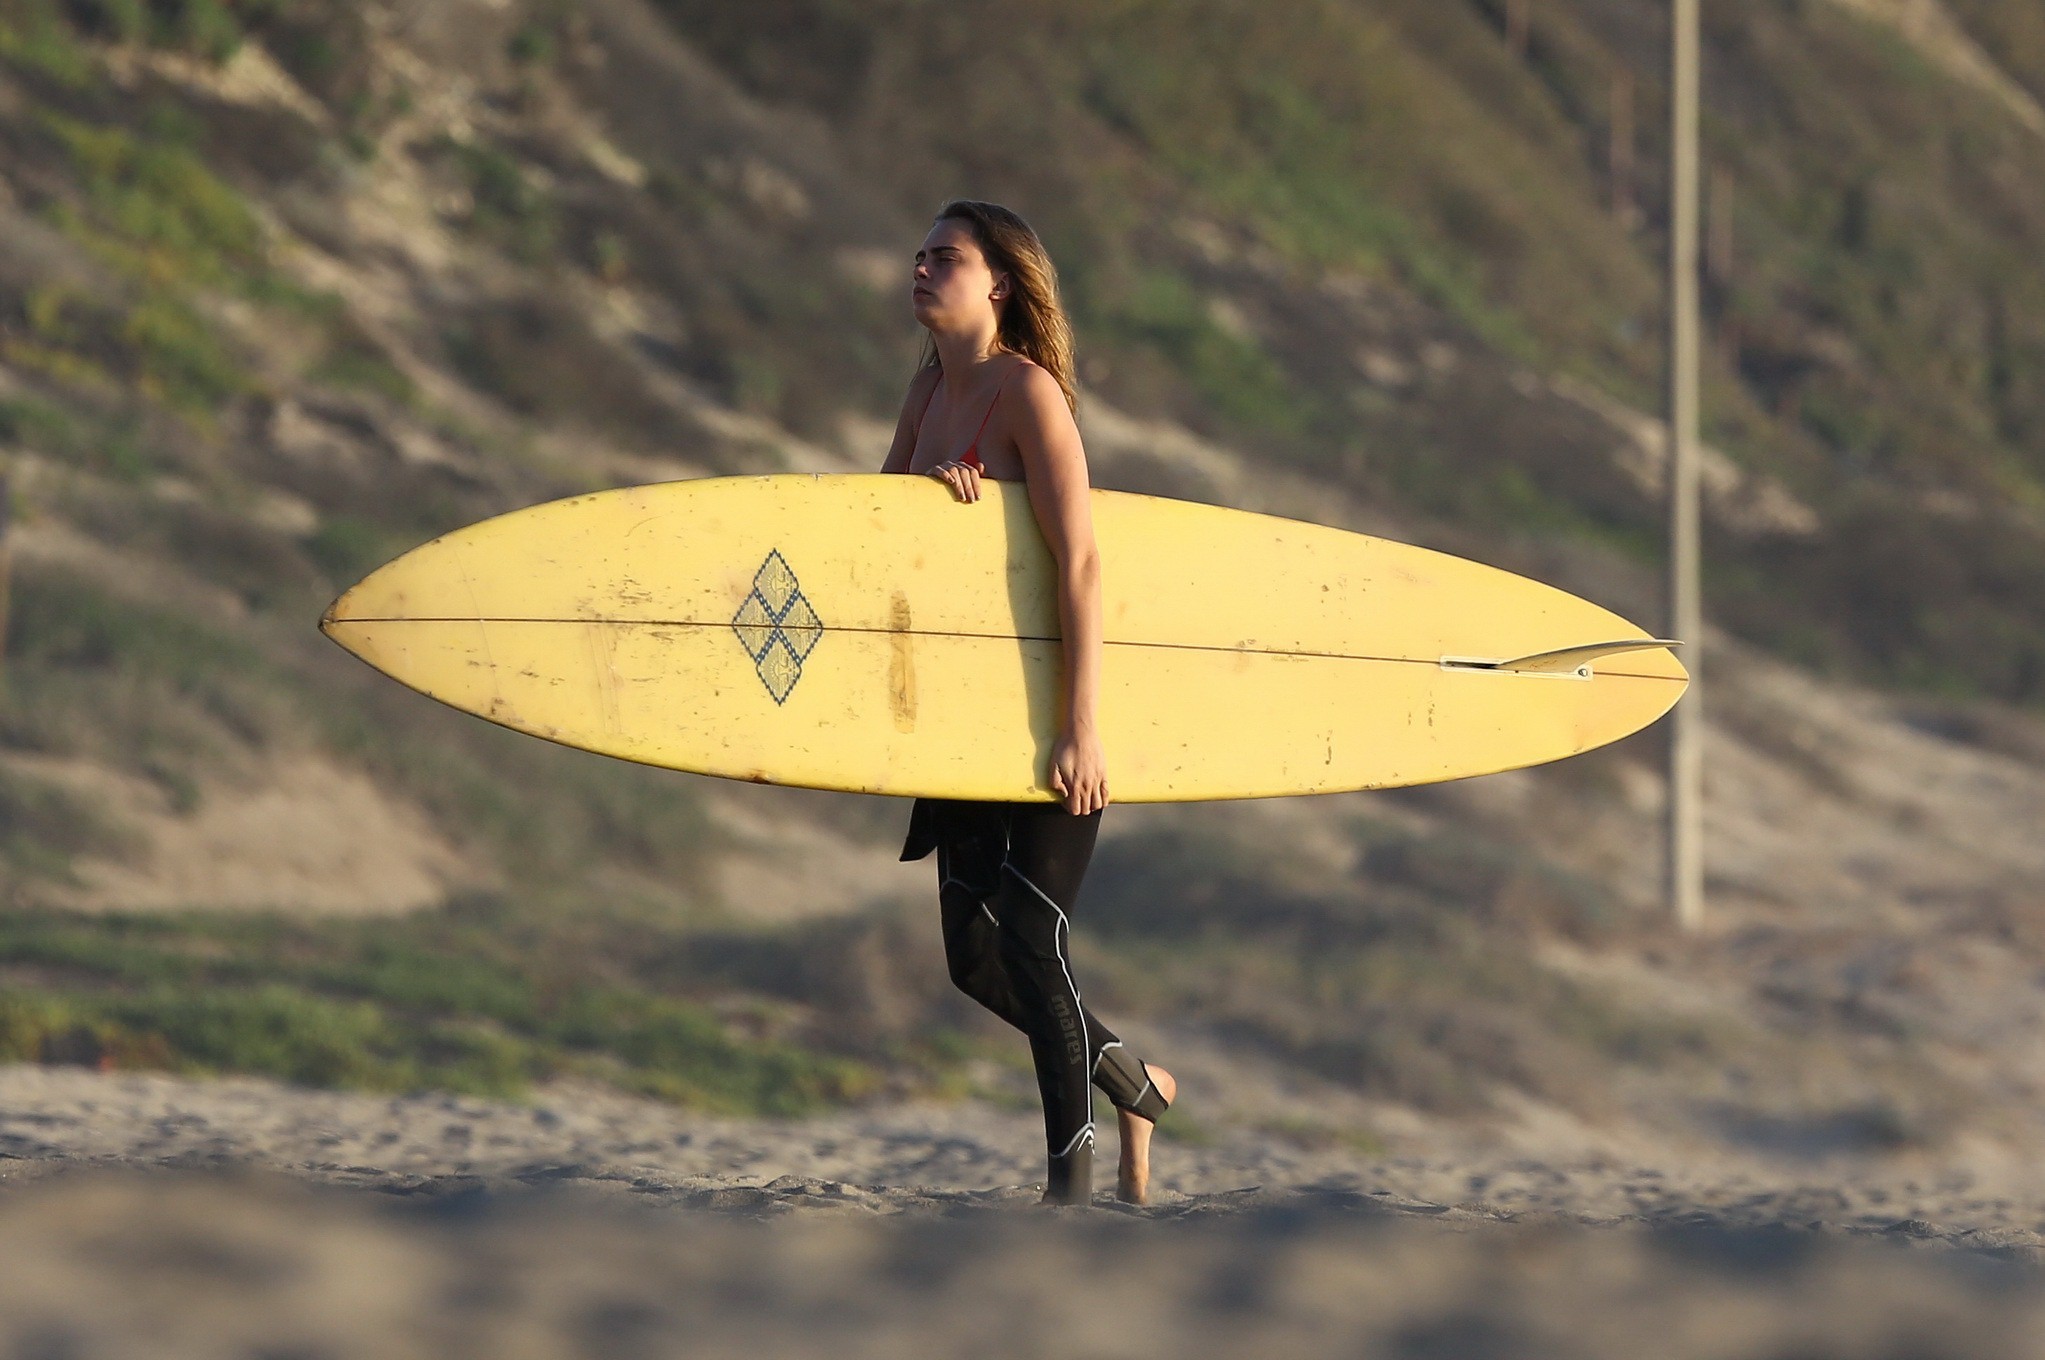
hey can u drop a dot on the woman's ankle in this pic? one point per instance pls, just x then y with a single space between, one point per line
1070 1177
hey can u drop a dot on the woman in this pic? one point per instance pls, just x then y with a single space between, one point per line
994 399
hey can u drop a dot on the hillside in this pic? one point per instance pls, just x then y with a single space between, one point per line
292 285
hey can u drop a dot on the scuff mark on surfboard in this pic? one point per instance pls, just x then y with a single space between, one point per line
901 664
603 657
482 628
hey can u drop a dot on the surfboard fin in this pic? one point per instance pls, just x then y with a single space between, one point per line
1573 662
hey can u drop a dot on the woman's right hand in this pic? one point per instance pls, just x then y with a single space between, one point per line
1079 772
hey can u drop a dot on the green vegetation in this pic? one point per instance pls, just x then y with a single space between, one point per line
144 205
43 827
1227 369
150 205
1327 164
73 433
35 37
347 548
507 209
355 361
532 45
211 29
141 689
476 999
153 213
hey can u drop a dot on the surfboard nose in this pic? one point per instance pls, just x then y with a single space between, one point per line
427 581
381 597
341 626
347 607
339 611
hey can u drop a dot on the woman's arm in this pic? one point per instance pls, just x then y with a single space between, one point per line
1054 468
914 403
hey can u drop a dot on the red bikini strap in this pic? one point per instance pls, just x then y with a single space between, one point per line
972 453
990 412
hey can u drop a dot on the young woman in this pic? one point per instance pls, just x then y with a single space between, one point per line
994 399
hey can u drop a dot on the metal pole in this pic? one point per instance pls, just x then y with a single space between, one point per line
1686 733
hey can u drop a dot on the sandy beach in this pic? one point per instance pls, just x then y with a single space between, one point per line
146 1214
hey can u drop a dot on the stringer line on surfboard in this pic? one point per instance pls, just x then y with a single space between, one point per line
1567 662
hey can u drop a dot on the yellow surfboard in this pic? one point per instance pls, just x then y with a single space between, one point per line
869 633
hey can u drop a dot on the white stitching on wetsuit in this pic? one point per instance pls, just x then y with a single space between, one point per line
1148 1084
1086 1133
984 908
1078 1006
947 878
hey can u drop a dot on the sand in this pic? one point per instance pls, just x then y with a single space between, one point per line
144 1214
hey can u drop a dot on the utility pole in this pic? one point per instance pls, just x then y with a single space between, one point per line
1685 842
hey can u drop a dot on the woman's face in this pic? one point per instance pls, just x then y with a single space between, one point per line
953 287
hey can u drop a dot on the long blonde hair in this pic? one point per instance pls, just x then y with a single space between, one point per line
1033 322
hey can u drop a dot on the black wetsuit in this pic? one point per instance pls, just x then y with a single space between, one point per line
1008 875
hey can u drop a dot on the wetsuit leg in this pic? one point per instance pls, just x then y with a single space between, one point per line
968 873
1007 876
972 954
970 849
1048 851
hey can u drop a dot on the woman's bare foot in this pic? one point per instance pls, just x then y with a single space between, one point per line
1132 1177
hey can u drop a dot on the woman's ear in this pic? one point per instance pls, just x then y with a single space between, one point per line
1000 288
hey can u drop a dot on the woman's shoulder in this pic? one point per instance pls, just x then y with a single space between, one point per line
1034 395
1030 379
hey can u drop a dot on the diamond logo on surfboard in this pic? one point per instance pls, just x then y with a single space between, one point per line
777 626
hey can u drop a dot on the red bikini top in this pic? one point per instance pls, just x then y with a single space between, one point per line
971 457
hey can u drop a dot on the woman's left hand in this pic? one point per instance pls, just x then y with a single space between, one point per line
962 477
1079 772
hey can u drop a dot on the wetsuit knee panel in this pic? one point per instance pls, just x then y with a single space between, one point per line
1121 1077
1030 935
